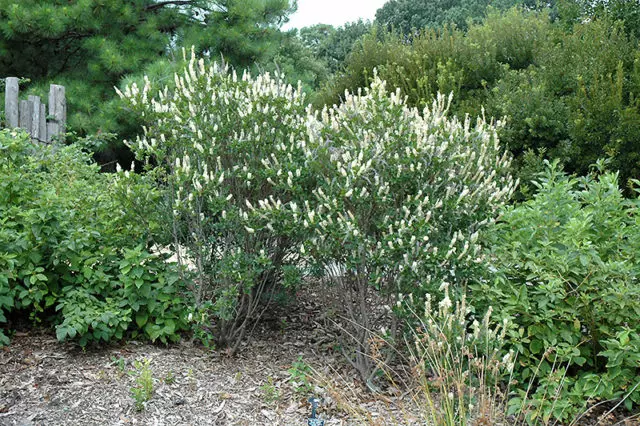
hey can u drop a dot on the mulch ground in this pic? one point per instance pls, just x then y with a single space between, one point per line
44 382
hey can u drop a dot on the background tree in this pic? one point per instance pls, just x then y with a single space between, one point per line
91 45
243 31
297 62
627 11
407 16
332 45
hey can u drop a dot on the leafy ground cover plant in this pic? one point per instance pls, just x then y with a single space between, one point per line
568 279
300 374
270 393
227 151
401 197
69 253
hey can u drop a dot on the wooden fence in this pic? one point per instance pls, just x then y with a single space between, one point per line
31 114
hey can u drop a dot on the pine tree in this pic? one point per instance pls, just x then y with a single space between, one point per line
91 45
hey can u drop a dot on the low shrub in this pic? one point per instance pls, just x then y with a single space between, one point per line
568 278
256 183
69 252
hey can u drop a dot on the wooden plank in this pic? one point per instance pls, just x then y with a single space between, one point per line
11 106
25 115
43 123
34 109
58 109
52 130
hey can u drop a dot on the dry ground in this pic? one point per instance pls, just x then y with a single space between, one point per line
43 382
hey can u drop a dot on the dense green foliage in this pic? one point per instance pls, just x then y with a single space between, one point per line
446 60
577 107
69 253
385 185
627 11
569 279
410 16
569 94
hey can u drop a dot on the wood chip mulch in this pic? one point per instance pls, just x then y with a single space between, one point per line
44 382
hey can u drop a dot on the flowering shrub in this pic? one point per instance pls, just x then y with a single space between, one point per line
230 153
400 200
380 194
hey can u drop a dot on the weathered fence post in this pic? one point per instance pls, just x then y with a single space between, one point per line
34 109
43 124
25 115
57 109
11 102
31 114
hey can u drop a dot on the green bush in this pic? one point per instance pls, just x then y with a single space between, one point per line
71 255
576 107
569 280
399 202
227 152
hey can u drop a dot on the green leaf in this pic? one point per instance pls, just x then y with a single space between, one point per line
169 326
142 318
145 291
87 272
536 346
61 333
624 338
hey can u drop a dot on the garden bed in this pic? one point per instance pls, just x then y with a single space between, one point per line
44 382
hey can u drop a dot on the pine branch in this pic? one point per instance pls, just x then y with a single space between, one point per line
162 4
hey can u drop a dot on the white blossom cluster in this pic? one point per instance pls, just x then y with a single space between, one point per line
233 146
403 193
370 185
